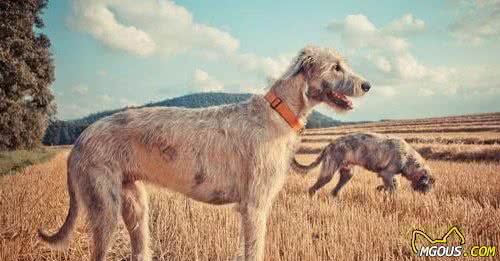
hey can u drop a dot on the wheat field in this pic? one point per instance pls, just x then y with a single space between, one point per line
361 224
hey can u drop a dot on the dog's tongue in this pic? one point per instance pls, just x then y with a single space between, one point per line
341 100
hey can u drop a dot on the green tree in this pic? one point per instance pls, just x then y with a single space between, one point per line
26 72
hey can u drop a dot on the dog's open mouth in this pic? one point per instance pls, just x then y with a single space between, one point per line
340 100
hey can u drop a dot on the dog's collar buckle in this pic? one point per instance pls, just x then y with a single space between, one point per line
284 111
275 103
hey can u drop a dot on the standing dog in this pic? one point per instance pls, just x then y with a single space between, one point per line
237 153
383 154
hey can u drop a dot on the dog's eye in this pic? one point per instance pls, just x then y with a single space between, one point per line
417 165
336 67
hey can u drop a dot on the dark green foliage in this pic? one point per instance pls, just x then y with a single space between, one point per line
26 72
318 120
66 132
201 100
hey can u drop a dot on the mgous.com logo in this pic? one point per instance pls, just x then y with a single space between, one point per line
442 247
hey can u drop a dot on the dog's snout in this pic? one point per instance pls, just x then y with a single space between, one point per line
424 180
365 86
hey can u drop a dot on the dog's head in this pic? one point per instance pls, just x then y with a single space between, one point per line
328 78
421 177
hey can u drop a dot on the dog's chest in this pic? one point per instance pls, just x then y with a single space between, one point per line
277 155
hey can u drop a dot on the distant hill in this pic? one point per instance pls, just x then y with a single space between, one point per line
66 132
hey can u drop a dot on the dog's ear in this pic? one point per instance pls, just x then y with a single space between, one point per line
301 63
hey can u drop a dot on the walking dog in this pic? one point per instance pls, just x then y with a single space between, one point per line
237 153
383 154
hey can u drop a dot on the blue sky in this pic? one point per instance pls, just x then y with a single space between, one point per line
423 58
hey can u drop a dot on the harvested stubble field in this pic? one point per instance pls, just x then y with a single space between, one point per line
361 224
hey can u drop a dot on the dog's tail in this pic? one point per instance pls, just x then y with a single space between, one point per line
60 239
304 169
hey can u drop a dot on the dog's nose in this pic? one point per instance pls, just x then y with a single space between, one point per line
365 86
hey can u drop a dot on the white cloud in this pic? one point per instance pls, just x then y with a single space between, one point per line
358 32
80 89
478 22
478 78
380 62
204 82
124 102
405 24
72 110
102 73
96 18
390 54
267 66
106 99
409 68
425 92
386 91
59 94
151 27
77 108
147 27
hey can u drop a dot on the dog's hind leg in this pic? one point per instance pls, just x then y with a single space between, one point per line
100 189
135 216
345 175
328 169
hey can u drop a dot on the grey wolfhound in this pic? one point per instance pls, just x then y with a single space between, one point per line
237 153
384 154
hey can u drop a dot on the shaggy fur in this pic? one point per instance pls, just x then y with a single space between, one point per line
383 154
237 153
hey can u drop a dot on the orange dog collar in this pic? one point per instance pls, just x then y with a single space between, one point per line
284 111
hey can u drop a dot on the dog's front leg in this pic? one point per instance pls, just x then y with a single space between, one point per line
241 248
253 222
389 181
257 197
383 187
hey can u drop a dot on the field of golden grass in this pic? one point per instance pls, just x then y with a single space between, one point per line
361 224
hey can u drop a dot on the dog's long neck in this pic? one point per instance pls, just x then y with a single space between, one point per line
291 92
